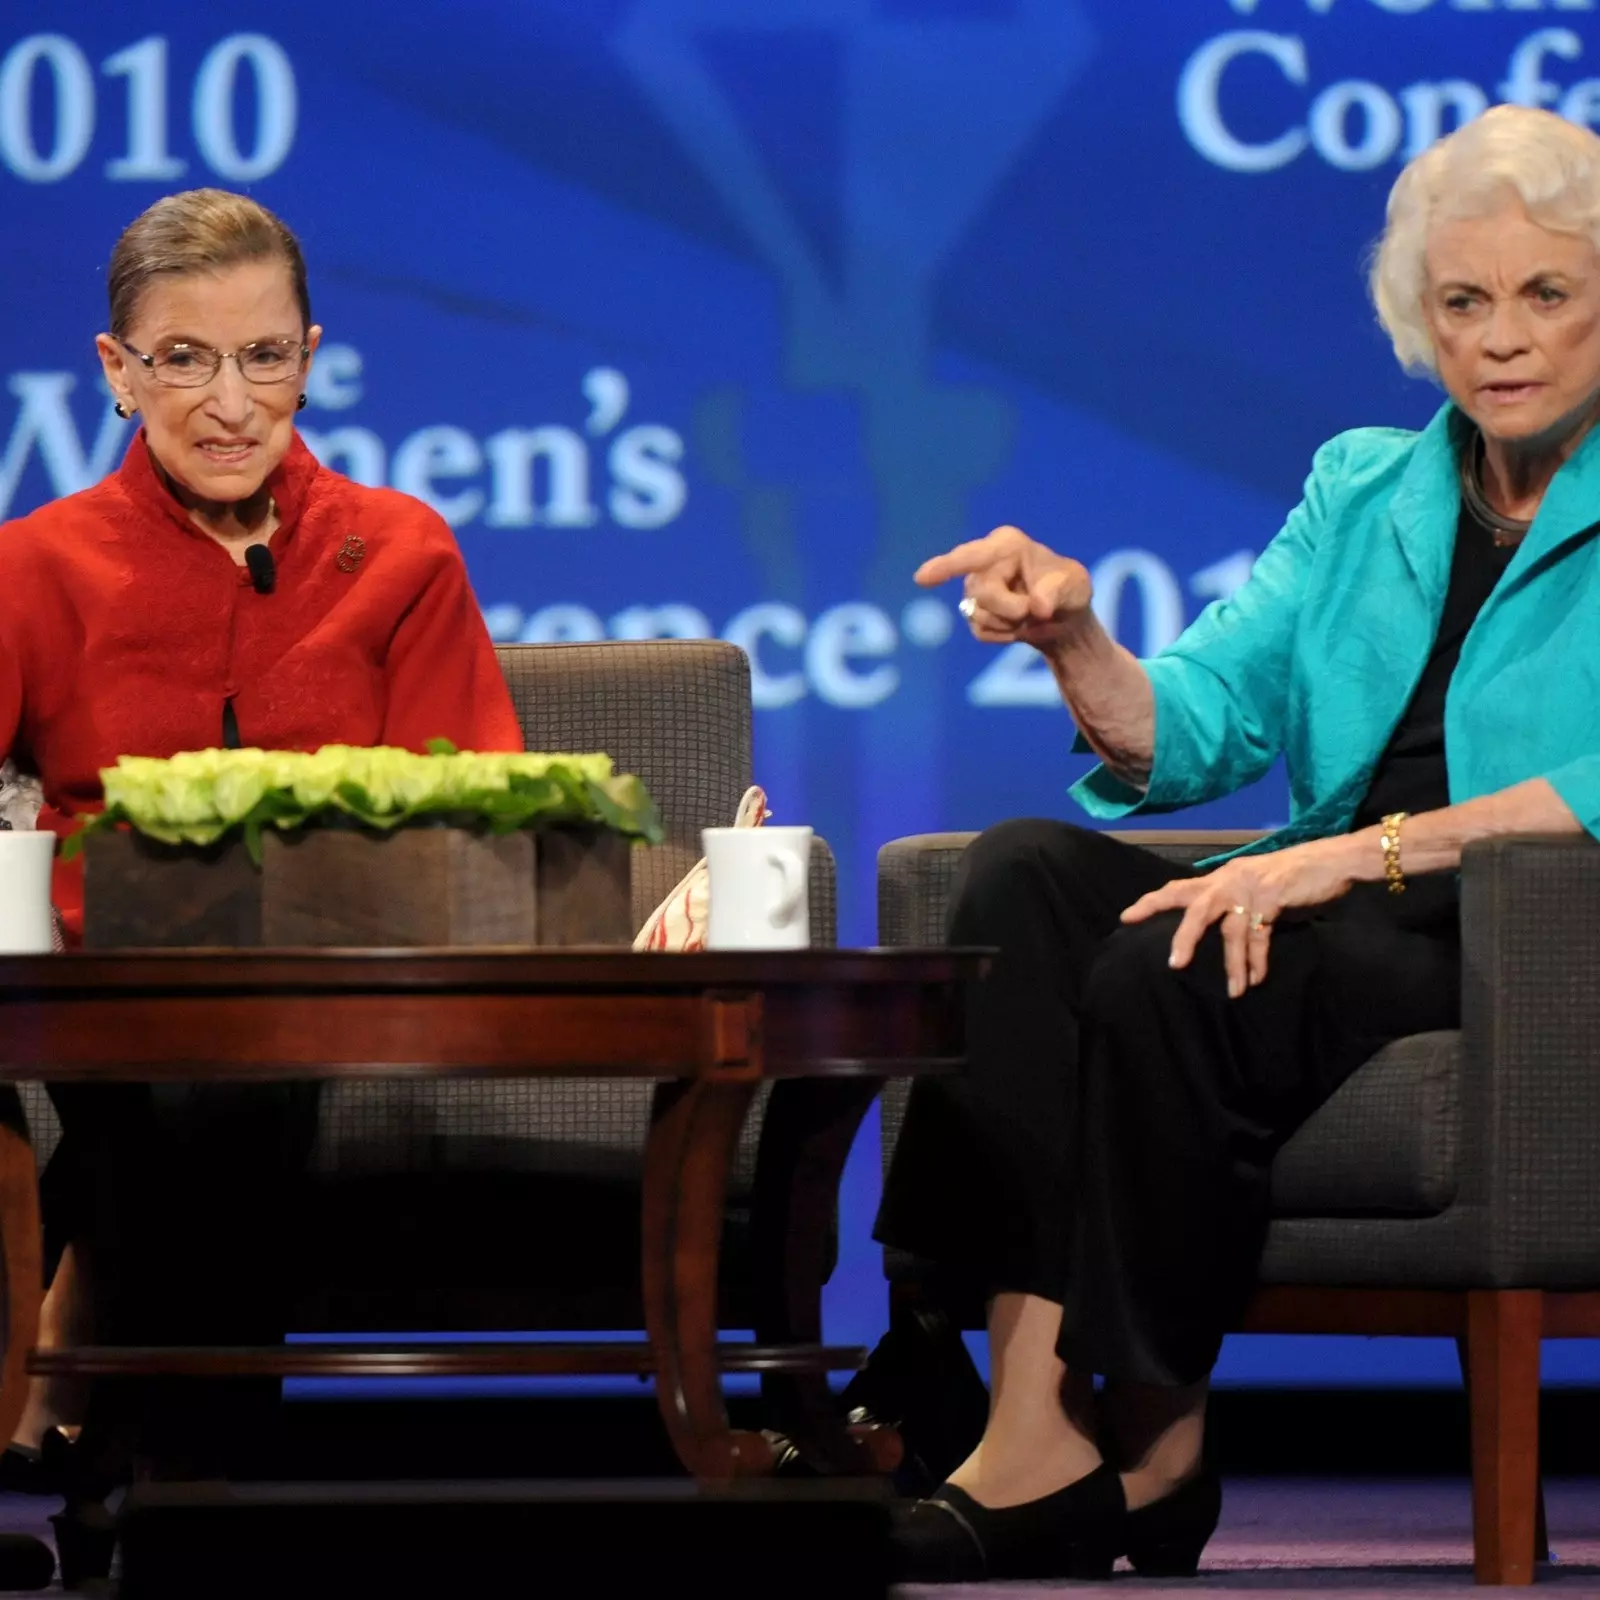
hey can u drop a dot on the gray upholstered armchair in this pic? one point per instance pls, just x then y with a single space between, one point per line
526 1214
1452 1186
465 1205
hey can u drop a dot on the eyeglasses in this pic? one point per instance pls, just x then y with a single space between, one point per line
192 366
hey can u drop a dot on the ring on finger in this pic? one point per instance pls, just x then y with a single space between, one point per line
1260 923
968 607
1240 911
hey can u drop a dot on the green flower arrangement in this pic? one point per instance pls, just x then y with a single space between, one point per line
202 795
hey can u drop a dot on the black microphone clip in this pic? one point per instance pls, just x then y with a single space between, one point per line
263 569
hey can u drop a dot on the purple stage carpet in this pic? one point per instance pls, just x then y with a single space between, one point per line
1359 1540
1294 1536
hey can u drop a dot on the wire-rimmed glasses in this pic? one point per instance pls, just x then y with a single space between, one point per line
192 366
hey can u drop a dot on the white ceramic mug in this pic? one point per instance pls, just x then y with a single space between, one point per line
25 923
758 888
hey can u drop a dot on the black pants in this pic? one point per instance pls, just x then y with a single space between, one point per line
178 1197
1110 1145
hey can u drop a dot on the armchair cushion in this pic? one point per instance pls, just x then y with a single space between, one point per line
1387 1144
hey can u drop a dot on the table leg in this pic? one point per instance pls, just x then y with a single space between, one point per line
21 1257
806 1135
694 1130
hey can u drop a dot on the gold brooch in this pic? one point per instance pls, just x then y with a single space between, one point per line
350 554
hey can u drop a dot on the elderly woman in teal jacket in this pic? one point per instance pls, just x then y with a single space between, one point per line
1421 644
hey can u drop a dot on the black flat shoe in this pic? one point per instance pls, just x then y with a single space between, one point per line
1164 1539
1074 1533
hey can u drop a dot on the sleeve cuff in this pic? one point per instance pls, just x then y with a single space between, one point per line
1106 797
1578 785
1178 755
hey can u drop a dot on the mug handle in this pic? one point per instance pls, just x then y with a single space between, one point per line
792 890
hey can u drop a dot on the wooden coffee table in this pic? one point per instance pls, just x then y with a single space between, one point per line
826 1027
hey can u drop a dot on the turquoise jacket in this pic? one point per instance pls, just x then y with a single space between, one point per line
1316 656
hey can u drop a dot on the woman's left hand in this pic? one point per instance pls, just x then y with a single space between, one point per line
1245 895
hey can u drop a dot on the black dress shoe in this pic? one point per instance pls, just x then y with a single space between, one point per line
920 1381
22 1471
1074 1533
1164 1539
86 1540
42 1471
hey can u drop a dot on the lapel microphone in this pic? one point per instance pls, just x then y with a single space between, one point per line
263 569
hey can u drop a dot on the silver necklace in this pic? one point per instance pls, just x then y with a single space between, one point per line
1504 530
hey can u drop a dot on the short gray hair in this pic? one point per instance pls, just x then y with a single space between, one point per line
1550 164
200 230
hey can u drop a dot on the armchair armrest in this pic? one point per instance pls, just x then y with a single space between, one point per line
915 878
917 874
822 892
1530 927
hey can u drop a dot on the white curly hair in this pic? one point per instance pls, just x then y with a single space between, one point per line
1550 164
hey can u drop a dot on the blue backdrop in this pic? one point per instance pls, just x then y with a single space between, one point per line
717 316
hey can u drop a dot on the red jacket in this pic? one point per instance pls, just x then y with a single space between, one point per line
124 630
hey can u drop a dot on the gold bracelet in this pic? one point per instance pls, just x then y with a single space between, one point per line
1390 840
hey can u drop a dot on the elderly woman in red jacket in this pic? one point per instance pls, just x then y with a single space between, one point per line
220 588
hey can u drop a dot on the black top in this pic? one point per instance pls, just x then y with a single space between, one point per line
1410 775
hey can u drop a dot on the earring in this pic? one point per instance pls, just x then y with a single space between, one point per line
121 410
300 404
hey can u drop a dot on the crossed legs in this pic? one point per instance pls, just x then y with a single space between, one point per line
1046 1429
1104 1165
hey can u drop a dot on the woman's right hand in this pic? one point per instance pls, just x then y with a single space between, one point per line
1020 589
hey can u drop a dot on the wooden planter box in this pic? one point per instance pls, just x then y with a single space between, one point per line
344 886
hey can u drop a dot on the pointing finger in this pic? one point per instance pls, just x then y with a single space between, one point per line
992 553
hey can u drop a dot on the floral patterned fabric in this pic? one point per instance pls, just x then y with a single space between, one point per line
20 799
679 922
